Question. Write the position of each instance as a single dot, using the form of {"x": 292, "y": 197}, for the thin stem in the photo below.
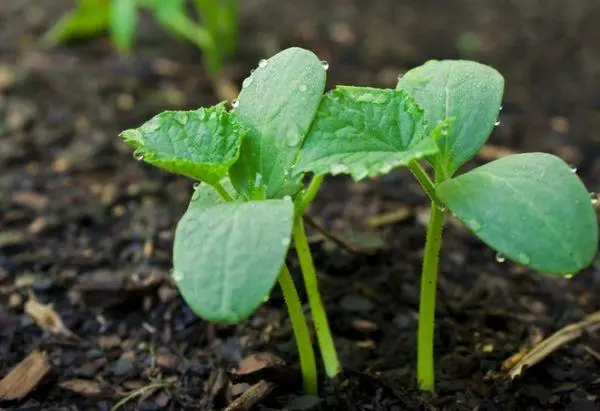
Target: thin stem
{"x": 309, "y": 195}
{"x": 222, "y": 191}
{"x": 308, "y": 365}
{"x": 324, "y": 338}
{"x": 425, "y": 357}
{"x": 424, "y": 180}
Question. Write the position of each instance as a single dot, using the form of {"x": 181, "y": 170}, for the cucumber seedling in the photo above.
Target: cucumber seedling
{"x": 231, "y": 243}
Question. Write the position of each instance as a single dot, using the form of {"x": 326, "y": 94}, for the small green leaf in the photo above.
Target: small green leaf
{"x": 89, "y": 18}
{"x": 529, "y": 207}
{"x": 468, "y": 91}
{"x": 365, "y": 132}
{"x": 227, "y": 255}
{"x": 123, "y": 23}
{"x": 278, "y": 103}
{"x": 201, "y": 144}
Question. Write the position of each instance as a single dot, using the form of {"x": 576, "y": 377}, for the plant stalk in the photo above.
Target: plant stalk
{"x": 424, "y": 179}
{"x": 308, "y": 365}
{"x": 324, "y": 338}
{"x": 222, "y": 191}
{"x": 425, "y": 356}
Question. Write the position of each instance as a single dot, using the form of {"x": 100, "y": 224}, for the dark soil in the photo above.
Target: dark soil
{"x": 87, "y": 229}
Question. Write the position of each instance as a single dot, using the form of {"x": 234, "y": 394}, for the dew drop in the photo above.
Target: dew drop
{"x": 177, "y": 275}
{"x": 138, "y": 155}
{"x": 399, "y": 77}
{"x": 257, "y": 180}
{"x": 573, "y": 168}
{"x": 196, "y": 185}
{"x": 252, "y": 71}
{"x": 181, "y": 118}
{"x": 497, "y": 123}
{"x": 594, "y": 198}
{"x": 325, "y": 65}
{"x": 474, "y": 225}
{"x": 285, "y": 241}
{"x": 501, "y": 108}
{"x": 235, "y": 102}
{"x": 262, "y": 63}
{"x": 523, "y": 258}
{"x": 500, "y": 258}
{"x": 442, "y": 208}
{"x": 287, "y": 198}
{"x": 302, "y": 87}
{"x": 247, "y": 81}
{"x": 338, "y": 168}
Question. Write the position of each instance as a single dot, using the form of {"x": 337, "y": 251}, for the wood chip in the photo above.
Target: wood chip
{"x": 251, "y": 397}
{"x": 25, "y": 377}
{"x": 589, "y": 324}
{"x": 397, "y": 216}
{"x": 86, "y": 388}
{"x": 46, "y": 318}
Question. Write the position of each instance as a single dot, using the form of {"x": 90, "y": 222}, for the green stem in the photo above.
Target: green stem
{"x": 309, "y": 195}
{"x": 308, "y": 365}
{"x": 425, "y": 357}
{"x": 424, "y": 180}
{"x": 222, "y": 191}
{"x": 328, "y": 352}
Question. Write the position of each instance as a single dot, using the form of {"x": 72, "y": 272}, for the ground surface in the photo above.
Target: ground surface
{"x": 87, "y": 229}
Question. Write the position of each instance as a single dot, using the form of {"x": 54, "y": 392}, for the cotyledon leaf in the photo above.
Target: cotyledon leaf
{"x": 531, "y": 208}
{"x": 468, "y": 91}
{"x": 227, "y": 255}
{"x": 277, "y": 103}
{"x": 365, "y": 132}
{"x": 201, "y": 144}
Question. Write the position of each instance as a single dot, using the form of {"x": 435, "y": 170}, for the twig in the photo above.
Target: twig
{"x": 333, "y": 238}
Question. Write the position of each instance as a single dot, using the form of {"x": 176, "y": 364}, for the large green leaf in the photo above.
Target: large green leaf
{"x": 278, "y": 103}
{"x": 201, "y": 144}
{"x": 364, "y": 132}
{"x": 530, "y": 207}
{"x": 468, "y": 91}
{"x": 227, "y": 255}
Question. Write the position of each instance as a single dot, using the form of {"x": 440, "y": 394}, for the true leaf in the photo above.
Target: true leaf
{"x": 364, "y": 132}
{"x": 468, "y": 91}
{"x": 201, "y": 144}
{"x": 123, "y": 23}
{"x": 531, "y": 208}
{"x": 227, "y": 255}
{"x": 277, "y": 103}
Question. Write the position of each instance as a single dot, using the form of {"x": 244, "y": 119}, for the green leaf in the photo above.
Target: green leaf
{"x": 365, "y": 132}
{"x": 123, "y": 23}
{"x": 89, "y": 18}
{"x": 278, "y": 103}
{"x": 531, "y": 208}
{"x": 227, "y": 255}
{"x": 468, "y": 91}
{"x": 201, "y": 144}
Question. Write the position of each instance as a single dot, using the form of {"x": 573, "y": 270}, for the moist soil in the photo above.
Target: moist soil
{"x": 86, "y": 231}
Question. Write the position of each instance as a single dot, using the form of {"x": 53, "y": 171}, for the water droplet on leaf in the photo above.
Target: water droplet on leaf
{"x": 501, "y": 108}
{"x": 497, "y": 123}
{"x": 573, "y": 168}
{"x": 325, "y": 65}
{"x": 252, "y": 71}
{"x": 262, "y": 63}
{"x": 195, "y": 185}
{"x": 338, "y": 168}
{"x": 500, "y": 258}
{"x": 523, "y": 258}
{"x": 177, "y": 275}
{"x": 285, "y": 241}
{"x": 235, "y": 102}
{"x": 474, "y": 225}
{"x": 302, "y": 87}
{"x": 441, "y": 207}
{"x": 287, "y": 198}
{"x": 400, "y": 76}
{"x": 257, "y": 180}
{"x": 247, "y": 81}
{"x": 138, "y": 155}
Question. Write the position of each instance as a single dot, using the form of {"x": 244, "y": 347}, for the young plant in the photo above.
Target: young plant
{"x": 231, "y": 243}
{"x": 216, "y": 37}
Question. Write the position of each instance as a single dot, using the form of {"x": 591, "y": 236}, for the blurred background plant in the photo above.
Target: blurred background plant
{"x": 216, "y": 35}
